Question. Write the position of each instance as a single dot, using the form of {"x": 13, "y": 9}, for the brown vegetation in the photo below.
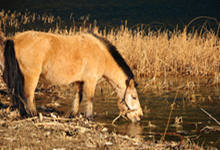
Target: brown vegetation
{"x": 149, "y": 54}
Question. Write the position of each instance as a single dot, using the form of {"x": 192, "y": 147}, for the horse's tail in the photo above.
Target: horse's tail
{"x": 13, "y": 77}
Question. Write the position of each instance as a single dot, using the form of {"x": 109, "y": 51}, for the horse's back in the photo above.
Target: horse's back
{"x": 60, "y": 59}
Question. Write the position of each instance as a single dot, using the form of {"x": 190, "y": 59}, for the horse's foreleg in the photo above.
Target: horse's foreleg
{"x": 77, "y": 99}
{"x": 89, "y": 88}
{"x": 30, "y": 83}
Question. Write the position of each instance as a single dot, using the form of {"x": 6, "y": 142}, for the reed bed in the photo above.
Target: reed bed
{"x": 181, "y": 54}
{"x": 150, "y": 54}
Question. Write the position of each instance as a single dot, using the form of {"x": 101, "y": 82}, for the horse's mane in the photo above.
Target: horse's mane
{"x": 116, "y": 55}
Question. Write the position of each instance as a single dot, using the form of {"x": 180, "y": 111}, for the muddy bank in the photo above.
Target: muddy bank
{"x": 51, "y": 132}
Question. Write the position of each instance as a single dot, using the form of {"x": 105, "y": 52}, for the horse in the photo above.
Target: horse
{"x": 82, "y": 59}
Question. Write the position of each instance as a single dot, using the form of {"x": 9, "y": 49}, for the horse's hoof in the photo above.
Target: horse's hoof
{"x": 33, "y": 113}
{"x": 71, "y": 116}
{"x": 90, "y": 118}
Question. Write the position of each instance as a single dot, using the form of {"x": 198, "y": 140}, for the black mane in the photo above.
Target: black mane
{"x": 116, "y": 55}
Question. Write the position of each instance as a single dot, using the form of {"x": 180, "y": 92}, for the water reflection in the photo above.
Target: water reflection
{"x": 132, "y": 130}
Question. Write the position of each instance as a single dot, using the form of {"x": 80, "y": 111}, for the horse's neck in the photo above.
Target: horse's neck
{"x": 116, "y": 78}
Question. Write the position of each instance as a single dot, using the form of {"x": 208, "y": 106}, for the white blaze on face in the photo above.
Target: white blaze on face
{"x": 2, "y": 60}
{"x": 132, "y": 102}
{"x": 134, "y": 106}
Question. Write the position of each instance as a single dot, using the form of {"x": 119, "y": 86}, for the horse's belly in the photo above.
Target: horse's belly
{"x": 61, "y": 78}
{"x": 63, "y": 73}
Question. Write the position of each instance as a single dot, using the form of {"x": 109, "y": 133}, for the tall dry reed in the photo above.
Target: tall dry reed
{"x": 150, "y": 54}
{"x": 163, "y": 53}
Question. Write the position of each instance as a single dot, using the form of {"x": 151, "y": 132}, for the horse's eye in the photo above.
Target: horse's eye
{"x": 133, "y": 97}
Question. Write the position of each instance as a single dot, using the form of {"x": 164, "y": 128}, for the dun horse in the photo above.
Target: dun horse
{"x": 80, "y": 59}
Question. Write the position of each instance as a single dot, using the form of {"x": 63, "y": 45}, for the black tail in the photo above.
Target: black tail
{"x": 14, "y": 78}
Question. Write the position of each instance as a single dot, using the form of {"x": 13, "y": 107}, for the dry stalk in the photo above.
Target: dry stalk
{"x": 211, "y": 128}
{"x": 210, "y": 116}
{"x": 21, "y": 121}
{"x": 48, "y": 124}
{"x": 121, "y": 114}
{"x": 113, "y": 122}
{"x": 168, "y": 122}
{"x": 202, "y": 17}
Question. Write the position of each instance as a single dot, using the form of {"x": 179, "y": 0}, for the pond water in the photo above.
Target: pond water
{"x": 187, "y": 120}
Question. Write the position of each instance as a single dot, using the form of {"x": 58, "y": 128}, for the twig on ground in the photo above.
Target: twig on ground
{"x": 27, "y": 119}
{"x": 210, "y": 128}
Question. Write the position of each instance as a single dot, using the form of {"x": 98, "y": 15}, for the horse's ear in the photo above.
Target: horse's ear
{"x": 2, "y": 36}
{"x": 132, "y": 83}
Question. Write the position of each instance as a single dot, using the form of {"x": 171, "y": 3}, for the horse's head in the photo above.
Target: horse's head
{"x": 2, "y": 46}
{"x": 129, "y": 105}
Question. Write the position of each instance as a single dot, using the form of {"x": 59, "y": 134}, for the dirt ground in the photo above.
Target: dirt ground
{"x": 51, "y": 132}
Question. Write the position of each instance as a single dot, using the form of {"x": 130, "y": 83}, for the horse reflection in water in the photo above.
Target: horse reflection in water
{"x": 81, "y": 59}
{"x": 132, "y": 130}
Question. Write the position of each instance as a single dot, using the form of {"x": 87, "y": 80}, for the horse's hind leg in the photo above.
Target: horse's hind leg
{"x": 78, "y": 86}
{"x": 30, "y": 83}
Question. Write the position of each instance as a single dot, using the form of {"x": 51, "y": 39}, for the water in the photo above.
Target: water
{"x": 187, "y": 119}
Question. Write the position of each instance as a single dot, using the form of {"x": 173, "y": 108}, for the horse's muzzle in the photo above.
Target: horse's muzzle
{"x": 135, "y": 116}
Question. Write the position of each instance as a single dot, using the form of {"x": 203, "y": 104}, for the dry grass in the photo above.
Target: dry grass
{"x": 150, "y": 54}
